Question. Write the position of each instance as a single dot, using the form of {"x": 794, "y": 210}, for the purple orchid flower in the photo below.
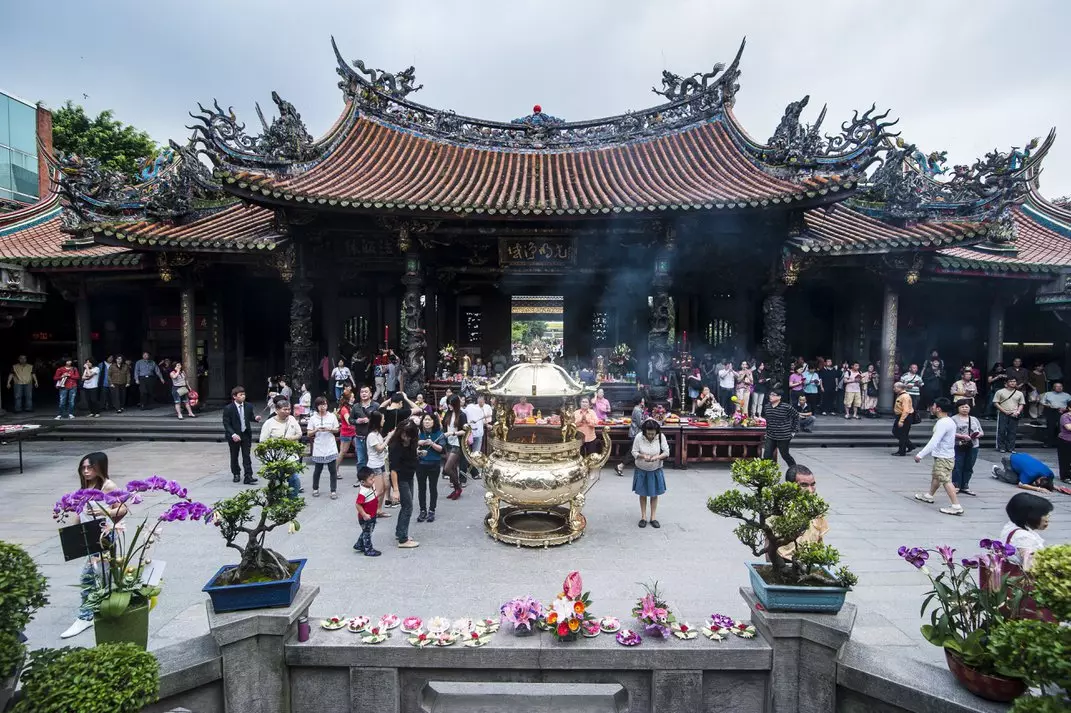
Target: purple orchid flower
{"x": 721, "y": 621}
{"x": 915, "y": 556}
{"x": 946, "y": 553}
{"x": 656, "y": 628}
{"x": 186, "y": 511}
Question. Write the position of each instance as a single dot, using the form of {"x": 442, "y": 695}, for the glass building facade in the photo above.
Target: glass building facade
{"x": 18, "y": 150}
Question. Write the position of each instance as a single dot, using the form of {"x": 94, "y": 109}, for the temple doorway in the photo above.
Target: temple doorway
{"x": 537, "y": 317}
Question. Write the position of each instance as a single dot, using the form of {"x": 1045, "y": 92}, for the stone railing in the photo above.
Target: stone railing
{"x": 253, "y": 663}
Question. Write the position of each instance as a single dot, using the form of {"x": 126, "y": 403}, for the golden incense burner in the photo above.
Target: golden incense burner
{"x": 535, "y": 475}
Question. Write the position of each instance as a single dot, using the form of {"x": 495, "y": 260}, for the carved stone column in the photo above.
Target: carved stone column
{"x": 995, "y": 352}
{"x": 82, "y": 330}
{"x": 302, "y": 365}
{"x": 773, "y": 332}
{"x": 889, "y": 348}
{"x": 217, "y": 374}
{"x": 413, "y": 373}
{"x": 659, "y": 348}
{"x": 189, "y": 334}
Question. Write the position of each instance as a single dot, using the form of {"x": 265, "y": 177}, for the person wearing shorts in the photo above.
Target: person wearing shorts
{"x": 853, "y": 391}
{"x": 942, "y": 446}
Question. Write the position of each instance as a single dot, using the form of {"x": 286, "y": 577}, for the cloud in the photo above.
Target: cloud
{"x": 963, "y": 75}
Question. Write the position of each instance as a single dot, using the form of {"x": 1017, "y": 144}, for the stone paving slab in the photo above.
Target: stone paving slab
{"x": 458, "y": 571}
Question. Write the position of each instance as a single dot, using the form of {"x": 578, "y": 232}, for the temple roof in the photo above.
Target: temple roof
{"x": 842, "y": 229}
{"x": 381, "y": 166}
{"x": 33, "y": 237}
{"x": 1042, "y": 245}
{"x": 235, "y": 227}
{"x": 387, "y": 153}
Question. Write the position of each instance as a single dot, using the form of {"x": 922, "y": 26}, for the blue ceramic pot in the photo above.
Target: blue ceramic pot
{"x": 256, "y": 595}
{"x": 785, "y": 598}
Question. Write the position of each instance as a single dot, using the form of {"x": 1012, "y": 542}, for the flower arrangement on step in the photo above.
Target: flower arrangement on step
{"x": 118, "y": 581}
{"x": 971, "y": 598}
{"x": 277, "y": 507}
{"x": 658, "y": 413}
{"x": 522, "y": 613}
{"x": 653, "y": 612}
{"x": 620, "y": 360}
{"x": 569, "y": 610}
{"x": 448, "y": 359}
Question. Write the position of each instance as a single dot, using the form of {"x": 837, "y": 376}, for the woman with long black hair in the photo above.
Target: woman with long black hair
{"x": 92, "y": 473}
{"x": 403, "y": 465}
{"x": 431, "y": 445}
{"x": 454, "y": 426}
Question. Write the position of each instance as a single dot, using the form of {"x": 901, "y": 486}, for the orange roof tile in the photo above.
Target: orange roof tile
{"x": 1038, "y": 248}
{"x": 381, "y": 166}
{"x": 236, "y": 227}
{"x": 31, "y": 236}
{"x": 840, "y": 229}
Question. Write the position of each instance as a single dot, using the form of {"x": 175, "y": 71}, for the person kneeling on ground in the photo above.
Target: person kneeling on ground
{"x": 1025, "y": 471}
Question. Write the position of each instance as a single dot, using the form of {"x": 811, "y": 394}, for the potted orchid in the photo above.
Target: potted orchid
{"x": 523, "y": 613}
{"x": 123, "y": 591}
{"x": 970, "y": 600}
{"x": 569, "y": 610}
{"x": 653, "y": 612}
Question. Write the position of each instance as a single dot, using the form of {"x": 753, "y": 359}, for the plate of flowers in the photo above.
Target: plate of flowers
{"x": 462, "y": 626}
{"x": 628, "y": 637}
{"x": 684, "y": 630}
{"x": 610, "y": 624}
{"x": 412, "y": 624}
{"x": 389, "y": 621}
{"x": 375, "y": 635}
{"x": 476, "y": 637}
{"x": 358, "y": 624}
{"x": 717, "y": 629}
{"x": 590, "y": 629}
{"x": 333, "y": 623}
{"x": 744, "y": 630}
{"x": 419, "y": 639}
{"x": 488, "y": 626}
{"x": 438, "y": 625}
{"x": 444, "y": 639}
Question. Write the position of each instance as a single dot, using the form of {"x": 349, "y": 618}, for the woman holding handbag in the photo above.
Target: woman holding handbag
{"x": 66, "y": 378}
{"x": 968, "y": 431}
{"x": 180, "y": 390}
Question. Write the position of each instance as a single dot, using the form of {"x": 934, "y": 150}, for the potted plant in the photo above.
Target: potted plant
{"x": 22, "y": 593}
{"x": 523, "y": 613}
{"x": 970, "y": 600}
{"x": 774, "y": 514}
{"x": 1029, "y": 649}
{"x": 110, "y": 678}
{"x": 122, "y": 596}
{"x": 263, "y": 577}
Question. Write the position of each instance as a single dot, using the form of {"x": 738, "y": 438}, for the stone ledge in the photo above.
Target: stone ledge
{"x": 829, "y": 630}
{"x": 194, "y": 663}
{"x": 230, "y": 627}
{"x": 911, "y": 685}
{"x": 536, "y": 652}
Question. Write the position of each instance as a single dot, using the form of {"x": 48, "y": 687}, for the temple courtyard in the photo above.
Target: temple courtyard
{"x": 458, "y": 571}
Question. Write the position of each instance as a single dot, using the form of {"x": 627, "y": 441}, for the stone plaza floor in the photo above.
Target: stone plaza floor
{"x": 459, "y": 571}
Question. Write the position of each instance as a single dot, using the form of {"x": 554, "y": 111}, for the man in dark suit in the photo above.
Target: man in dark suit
{"x": 237, "y": 419}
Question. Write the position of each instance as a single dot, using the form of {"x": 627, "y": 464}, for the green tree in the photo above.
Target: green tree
{"x": 116, "y": 145}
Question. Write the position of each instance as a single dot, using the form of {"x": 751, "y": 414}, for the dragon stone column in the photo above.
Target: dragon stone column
{"x": 189, "y": 334}
{"x": 412, "y": 318}
{"x": 659, "y": 349}
{"x": 889, "y": 350}
{"x": 301, "y": 355}
{"x": 773, "y": 332}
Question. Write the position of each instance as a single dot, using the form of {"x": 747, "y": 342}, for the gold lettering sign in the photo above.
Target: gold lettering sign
{"x": 540, "y": 253}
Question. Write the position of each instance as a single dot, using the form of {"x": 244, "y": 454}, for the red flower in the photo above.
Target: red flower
{"x": 759, "y": 606}
{"x": 684, "y": 627}
{"x": 475, "y": 635}
{"x": 741, "y": 626}
{"x": 375, "y": 631}
{"x": 422, "y": 637}
{"x": 563, "y": 629}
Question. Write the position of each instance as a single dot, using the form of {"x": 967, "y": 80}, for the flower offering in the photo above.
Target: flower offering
{"x": 653, "y": 612}
{"x": 569, "y": 609}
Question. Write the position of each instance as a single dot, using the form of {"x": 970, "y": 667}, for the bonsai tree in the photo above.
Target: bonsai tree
{"x": 774, "y": 513}
{"x": 22, "y": 593}
{"x": 1036, "y": 650}
{"x": 277, "y": 506}
{"x": 110, "y": 678}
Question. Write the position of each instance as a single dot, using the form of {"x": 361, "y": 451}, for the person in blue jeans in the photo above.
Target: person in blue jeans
{"x": 359, "y": 415}
{"x": 67, "y": 378}
{"x": 968, "y": 431}
{"x": 1025, "y": 471}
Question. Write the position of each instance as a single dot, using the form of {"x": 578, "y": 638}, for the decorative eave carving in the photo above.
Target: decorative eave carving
{"x": 692, "y": 100}
{"x": 173, "y": 186}
{"x": 912, "y": 185}
{"x": 224, "y": 139}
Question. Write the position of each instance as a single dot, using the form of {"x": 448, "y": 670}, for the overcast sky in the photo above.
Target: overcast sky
{"x": 963, "y": 75}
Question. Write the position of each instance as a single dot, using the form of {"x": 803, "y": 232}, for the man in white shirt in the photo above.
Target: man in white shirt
{"x": 476, "y": 417}
{"x": 726, "y": 386}
{"x": 1055, "y": 402}
{"x": 942, "y": 445}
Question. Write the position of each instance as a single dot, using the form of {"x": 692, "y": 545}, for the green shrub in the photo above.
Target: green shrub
{"x": 110, "y": 678}
{"x": 773, "y": 514}
{"x": 22, "y": 593}
{"x": 1039, "y": 652}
